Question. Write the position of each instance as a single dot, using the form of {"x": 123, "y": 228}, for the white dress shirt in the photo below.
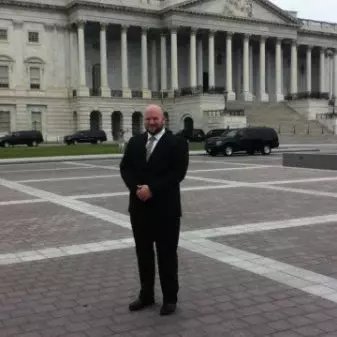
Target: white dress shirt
{"x": 157, "y": 136}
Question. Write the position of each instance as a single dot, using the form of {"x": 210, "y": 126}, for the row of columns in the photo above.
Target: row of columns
{"x": 198, "y": 49}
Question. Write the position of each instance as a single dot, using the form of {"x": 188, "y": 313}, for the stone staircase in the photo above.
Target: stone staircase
{"x": 291, "y": 126}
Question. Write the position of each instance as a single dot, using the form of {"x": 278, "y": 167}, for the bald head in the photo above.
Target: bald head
{"x": 154, "y": 119}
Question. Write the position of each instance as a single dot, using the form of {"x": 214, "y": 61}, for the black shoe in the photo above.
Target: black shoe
{"x": 140, "y": 304}
{"x": 168, "y": 309}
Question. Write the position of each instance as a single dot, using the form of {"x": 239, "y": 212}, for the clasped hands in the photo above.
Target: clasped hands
{"x": 143, "y": 192}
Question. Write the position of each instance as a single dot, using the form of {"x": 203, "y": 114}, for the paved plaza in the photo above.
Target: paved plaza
{"x": 258, "y": 253}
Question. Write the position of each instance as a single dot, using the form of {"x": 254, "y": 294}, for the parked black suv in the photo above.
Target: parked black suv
{"x": 30, "y": 138}
{"x": 251, "y": 140}
{"x": 215, "y": 133}
{"x": 86, "y": 136}
{"x": 195, "y": 135}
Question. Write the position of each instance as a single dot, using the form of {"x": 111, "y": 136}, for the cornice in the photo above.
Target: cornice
{"x": 33, "y": 5}
{"x": 316, "y": 33}
{"x": 232, "y": 18}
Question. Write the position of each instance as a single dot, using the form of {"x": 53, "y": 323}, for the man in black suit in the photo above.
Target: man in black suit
{"x": 153, "y": 166}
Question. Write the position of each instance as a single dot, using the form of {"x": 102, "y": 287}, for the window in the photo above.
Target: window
{"x": 36, "y": 121}
{"x": 33, "y": 37}
{"x": 35, "y": 77}
{"x": 3, "y": 35}
{"x": 5, "y": 122}
{"x": 4, "y": 76}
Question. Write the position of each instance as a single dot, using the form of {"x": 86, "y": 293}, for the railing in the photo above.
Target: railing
{"x": 136, "y": 94}
{"x": 307, "y": 95}
{"x": 234, "y": 112}
{"x": 196, "y": 91}
{"x": 95, "y": 92}
{"x": 116, "y": 93}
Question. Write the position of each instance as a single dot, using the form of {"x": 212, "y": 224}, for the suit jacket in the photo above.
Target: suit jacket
{"x": 163, "y": 172}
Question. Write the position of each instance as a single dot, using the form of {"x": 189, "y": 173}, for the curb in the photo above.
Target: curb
{"x": 119, "y": 156}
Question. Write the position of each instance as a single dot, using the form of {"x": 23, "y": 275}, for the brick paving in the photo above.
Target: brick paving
{"x": 85, "y": 292}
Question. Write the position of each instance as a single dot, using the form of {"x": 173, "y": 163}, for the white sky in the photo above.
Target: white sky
{"x": 321, "y": 10}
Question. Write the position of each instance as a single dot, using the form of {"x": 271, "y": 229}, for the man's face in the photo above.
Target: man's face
{"x": 154, "y": 121}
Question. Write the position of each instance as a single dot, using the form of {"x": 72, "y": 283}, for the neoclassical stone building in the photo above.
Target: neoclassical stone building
{"x": 78, "y": 64}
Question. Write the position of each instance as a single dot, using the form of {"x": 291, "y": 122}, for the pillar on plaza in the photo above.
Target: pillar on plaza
{"x": 163, "y": 64}
{"x": 335, "y": 74}
{"x": 200, "y": 63}
{"x": 263, "y": 96}
{"x": 105, "y": 90}
{"x": 174, "y": 60}
{"x": 229, "y": 68}
{"x": 211, "y": 71}
{"x": 145, "y": 72}
{"x": 246, "y": 95}
{"x": 83, "y": 89}
{"x": 124, "y": 58}
{"x": 279, "y": 71}
{"x": 154, "y": 75}
{"x": 193, "y": 59}
{"x": 309, "y": 69}
{"x": 322, "y": 70}
{"x": 294, "y": 71}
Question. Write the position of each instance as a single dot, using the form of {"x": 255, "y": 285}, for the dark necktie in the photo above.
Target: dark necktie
{"x": 149, "y": 147}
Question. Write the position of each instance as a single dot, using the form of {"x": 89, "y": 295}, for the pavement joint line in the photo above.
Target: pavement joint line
{"x": 260, "y": 226}
{"x": 85, "y": 208}
{"x": 110, "y": 167}
{"x": 45, "y": 170}
{"x": 69, "y": 178}
{"x": 295, "y": 277}
{"x": 21, "y": 202}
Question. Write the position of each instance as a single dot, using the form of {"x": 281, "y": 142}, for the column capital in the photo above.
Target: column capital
{"x": 211, "y": 32}
{"x": 144, "y": 30}
{"x": 229, "y": 34}
{"x": 103, "y": 26}
{"x": 263, "y": 38}
{"x": 310, "y": 47}
{"x": 125, "y": 27}
{"x": 80, "y": 24}
{"x": 193, "y": 31}
{"x": 279, "y": 40}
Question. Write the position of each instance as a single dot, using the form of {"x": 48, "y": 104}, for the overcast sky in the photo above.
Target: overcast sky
{"x": 323, "y": 10}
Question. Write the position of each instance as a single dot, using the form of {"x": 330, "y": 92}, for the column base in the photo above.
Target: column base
{"x": 264, "y": 97}
{"x": 279, "y": 98}
{"x": 231, "y": 96}
{"x": 127, "y": 93}
{"x": 105, "y": 92}
{"x": 247, "y": 97}
{"x": 83, "y": 91}
{"x": 147, "y": 94}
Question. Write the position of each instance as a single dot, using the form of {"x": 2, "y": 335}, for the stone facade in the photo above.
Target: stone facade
{"x": 87, "y": 64}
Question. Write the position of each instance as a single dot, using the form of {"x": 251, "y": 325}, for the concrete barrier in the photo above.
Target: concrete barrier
{"x": 321, "y": 161}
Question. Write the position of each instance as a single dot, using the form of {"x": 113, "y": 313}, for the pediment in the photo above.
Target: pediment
{"x": 250, "y": 9}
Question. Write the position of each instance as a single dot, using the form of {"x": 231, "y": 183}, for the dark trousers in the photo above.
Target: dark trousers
{"x": 164, "y": 233}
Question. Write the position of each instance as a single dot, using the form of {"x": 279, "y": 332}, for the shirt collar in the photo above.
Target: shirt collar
{"x": 157, "y": 136}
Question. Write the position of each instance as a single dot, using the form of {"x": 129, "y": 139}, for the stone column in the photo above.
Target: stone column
{"x": 124, "y": 58}
{"x": 154, "y": 83}
{"x": 211, "y": 71}
{"x": 145, "y": 62}
{"x": 294, "y": 69}
{"x": 309, "y": 68}
{"x": 174, "y": 60}
{"x": 229, "y": 68}
{"x": 163, "y": 64}
{"x": 105, "y": 90}
{"x": 83, "y": 89}
{"x": 264, "y": 97}
{"x": 200, "y": 63}
{"x": 193, "y": 59}
{"x": 322, "y": 71}
{"x": 279, "y": 71}
{"x": 246, "y": 95}
{"x": 335, "y": 74}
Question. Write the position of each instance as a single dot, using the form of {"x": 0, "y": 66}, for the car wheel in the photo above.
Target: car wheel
{"x": 228, "y": 151}
{"x": 34, "y": 143}
{"x": 6, "y": 144}
{"x": 75, "y": 142}
{"x": 266, "y": 150}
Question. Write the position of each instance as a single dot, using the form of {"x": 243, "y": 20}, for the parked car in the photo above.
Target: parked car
{"x": 86, "y": 136}
{"x": 195, "y": 135}
{"x": 251, "y": 140}
{"x": 30, "y": 138}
